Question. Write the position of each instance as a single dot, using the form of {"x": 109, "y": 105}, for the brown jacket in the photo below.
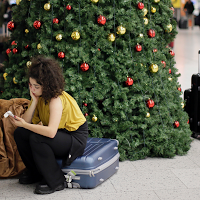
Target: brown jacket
{"x": 10, "y": 160}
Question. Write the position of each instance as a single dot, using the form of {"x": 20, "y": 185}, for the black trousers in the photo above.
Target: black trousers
{"x": 39, "y": 153}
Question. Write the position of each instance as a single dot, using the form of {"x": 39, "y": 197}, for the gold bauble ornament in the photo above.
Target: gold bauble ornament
{"x": 145, "y": 11}
{"x": 14, "y": 81}
{"x": 26, "y": 31}
{"x": 47, "y": 6}
{"x": 39, "y": 46}
{"x": 153, "y": 9}
{"x": 121, "y": 30}
{"x": 170, "y": 79}
{"x": 4, "y": 76}
{"x": 111, "y": 37}
{"x": 156, "y": 1}
{"x": 59, "y": 37}
{"x": 75, "y": 35}
{"x": 94, "y": 1}
{"x": 153, "y": 68}
{"x": 148, "y": 114}
{"x": 168, "y": 28}
{"x": 146, "y": 21}
{"x": 94, "y": 118}
{"x": 28, "y": 64}
{"x": 182, "y": 105}
{"x": 18, "y": 1}
{"x": 141, "y": 35}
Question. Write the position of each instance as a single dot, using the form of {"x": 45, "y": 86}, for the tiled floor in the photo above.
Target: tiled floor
{"x": 148, "y": 179}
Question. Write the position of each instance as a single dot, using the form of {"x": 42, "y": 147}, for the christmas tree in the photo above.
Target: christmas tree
{"x": 117, "y": 65}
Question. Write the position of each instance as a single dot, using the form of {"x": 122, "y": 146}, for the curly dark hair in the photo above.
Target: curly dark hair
{"x": 47, "y": 72}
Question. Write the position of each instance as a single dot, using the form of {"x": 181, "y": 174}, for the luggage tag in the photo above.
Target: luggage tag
{"x": 72, "y": 176}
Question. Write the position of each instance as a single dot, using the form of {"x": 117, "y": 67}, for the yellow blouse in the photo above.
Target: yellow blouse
{"x": 72, "y": 116}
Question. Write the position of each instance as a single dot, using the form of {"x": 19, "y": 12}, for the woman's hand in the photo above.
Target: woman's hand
{"x": 17, "y": 121}
{"x": 35, "y": 99}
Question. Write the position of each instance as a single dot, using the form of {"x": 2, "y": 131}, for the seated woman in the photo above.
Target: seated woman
{"x": 63, "y": 132}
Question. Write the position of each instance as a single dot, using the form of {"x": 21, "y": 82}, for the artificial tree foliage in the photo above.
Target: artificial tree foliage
{"x": 125, "y": 72}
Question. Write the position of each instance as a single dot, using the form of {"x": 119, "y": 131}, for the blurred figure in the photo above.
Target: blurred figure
{"x": 3, "y": 8}
{"x": 189, "y": 8}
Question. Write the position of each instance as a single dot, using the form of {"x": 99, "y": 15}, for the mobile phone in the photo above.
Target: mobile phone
{"x": 8, "y": 113}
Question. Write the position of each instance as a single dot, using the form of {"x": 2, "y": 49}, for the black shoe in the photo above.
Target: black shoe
{"x": 28, "y": 178}
{"x": 43, "y": 188}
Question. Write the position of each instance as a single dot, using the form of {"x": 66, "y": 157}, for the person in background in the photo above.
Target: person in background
{"x": 189, "y": 8}
{"x": 52, "y": 127}
{"x": 3, "y": 8}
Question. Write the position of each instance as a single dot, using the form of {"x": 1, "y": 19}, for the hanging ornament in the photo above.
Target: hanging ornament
{"x": 11, "y": 25}
{"x": 94, "y": 118}
{"x": 61, "y": 55}
{"x": 59, "y": 37}
{"x": 182, "y": 105}
{"x": 37, "y": 24}
{"x": 170, "y": 78}
{"x": 153, "y": 9}
{"x": 26, "y": 31}
{"x": 101, "y": 20}
{"x": 138, "y": 47}
{"x": 140, "y": 5}
{"x": 156, "y": 1}
{"x": 55, "y": 20}
{"x": 8, "y": 51}
{"x": 141, "y": 35}
{"x": 84, "y": 67}
{"x": 94, "y": 1}
{"x": 18, "y": 2}
{"x": 163, "y": 63}
{"x": 150, "y": 103}
{"x": 85, "y": 104}
{"x": 145, "y": 11}
{"x": 172, "y": 9}
{"x": 68, "y": 7}
{"x": 188, "y": 121}
{"x": 153, "y": 68}
{"x": 27, "y": 47}
{"x": 146, "y": 21}
{"x": 170, "y": 71}
{"x": 5, "y": 75}
{"x": 39, "y": 46}
{"x": 121, "y": 30}
{"x": 13, "y": 43}
{"x": 168, "y": 28}
{"x": 15, "y": 50}
{"x": 176, "y": 124}
{"x": 14, "y": 80}
{"x": 179, "y": 89}
{"x": 129, "y": 81}
{"x": 47, "y": 6}
{"x": 172, "y": 53}
{"x": 75, "y": 35}
{"x": 151, "y": 33}
{"x": 155, "y": 50}
{"x": 111, "y": 37}
{"x": 148, "y": 115}
{"x": 86, "y": 114}
{"x": 28, "y": 64}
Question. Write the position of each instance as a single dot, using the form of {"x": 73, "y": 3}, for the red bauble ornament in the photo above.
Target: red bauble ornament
{"x": 176, "y": 124}
{"x": 151, "y": 33}
{"x": 27, "y": 46}
{"x": 164, "y": 63}
{"x": 55, "y": 20}
{"x": 84, "y": 67}
{"x": 179, "y": 89}
{"x": 61, "y": 55}
{"x": 138, "y": 47}
{"x": 15, "y": 50}
{"x": 129, "y": 81}
{"x": 86, "y": 114}
{"x": 101, "y": 20}
{"x": 172, "y": 53}
{"x": 11, "y": 25}
{"x": 68, "y": 7}
{"x": 155, "y": 50}
{"x": 37, "y": 24}
{"x": 13, "y": 43}
{"x": 140, "y": 5}
{"x": 8, "y": 51}
{"x": 170, "y": 71}
{"x": 85, "y": 104}
{"x": 150, "y": 103}
{"x": 188, "y": 121}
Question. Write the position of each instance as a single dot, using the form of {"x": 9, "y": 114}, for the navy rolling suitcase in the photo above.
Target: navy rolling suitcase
{"x": 99, "y": 162}
{"x": 192, "y": 107}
